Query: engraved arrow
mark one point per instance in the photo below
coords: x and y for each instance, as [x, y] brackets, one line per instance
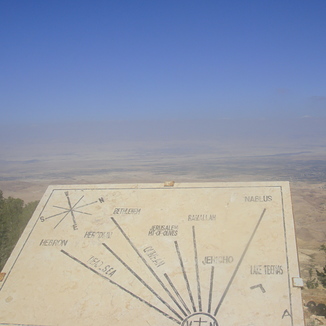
[258, 286]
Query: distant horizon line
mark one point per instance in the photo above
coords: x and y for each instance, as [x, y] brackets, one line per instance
[171, 120]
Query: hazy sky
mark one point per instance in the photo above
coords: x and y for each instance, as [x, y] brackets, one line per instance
[139, 59]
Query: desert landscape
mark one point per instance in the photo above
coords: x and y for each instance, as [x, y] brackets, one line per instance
[188, 152]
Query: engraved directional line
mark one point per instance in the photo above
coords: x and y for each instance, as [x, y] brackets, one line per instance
[142, 281]
[197, 268]
[75, 209]
[62, 219]
[185, 276]
[177, 293]
[121, 287]
[239, 263]
[186, 311]
[146, 264]
[210, 290]
[72, 209]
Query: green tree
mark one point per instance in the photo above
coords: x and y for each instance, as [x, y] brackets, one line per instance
[14, 216]
[312, 282]
[321, 275]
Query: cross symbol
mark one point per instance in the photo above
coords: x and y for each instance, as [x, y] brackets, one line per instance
[200, 321]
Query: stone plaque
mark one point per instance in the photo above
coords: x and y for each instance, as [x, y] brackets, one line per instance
[197, 254]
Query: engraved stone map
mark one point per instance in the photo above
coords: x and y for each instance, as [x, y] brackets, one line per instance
[189, 254]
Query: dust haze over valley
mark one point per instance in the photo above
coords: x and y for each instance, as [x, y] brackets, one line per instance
[37, 155]
[34, 156]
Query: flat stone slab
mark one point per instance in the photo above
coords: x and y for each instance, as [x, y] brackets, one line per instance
[190, 254]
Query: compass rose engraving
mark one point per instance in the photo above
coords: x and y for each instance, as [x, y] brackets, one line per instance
[71, 210]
